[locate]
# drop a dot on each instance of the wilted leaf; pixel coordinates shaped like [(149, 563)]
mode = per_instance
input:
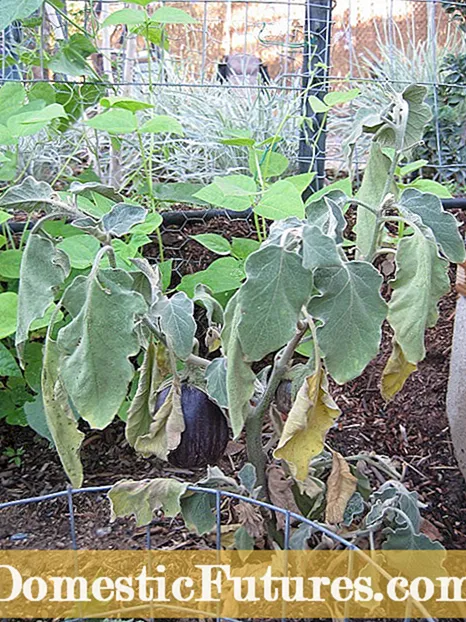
[(142, 499), (311, 416), (443, 225), (35, 415), (271, 299), (326, 213), (216, 379), (197, 511), (354, 507), (30, 195), (122, 217), (177, 323), (421, 280), (59, 416), (96, 345), (341, 485), (43, 269), (240, 377), (352, 311), (250, 517), (152, 373), (396, 372), (281, 493), (165, 430), (213, 308)]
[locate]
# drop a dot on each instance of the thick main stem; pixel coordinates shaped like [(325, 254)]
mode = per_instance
[(255, 449)]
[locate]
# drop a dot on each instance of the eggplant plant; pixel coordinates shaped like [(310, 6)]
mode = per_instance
[(310, 286)]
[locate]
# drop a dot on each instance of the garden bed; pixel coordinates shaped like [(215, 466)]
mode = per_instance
[(412, 430)]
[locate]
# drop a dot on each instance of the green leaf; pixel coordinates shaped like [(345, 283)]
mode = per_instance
[(114, 121), (133, 105), (151, 223), (443, 225), (214, 242), (326, 213), (11, 10), (238, 138), (234, 192), (30, 195), (10, 263), (142, 499), (214, 309), (43, 269), (80, 249), (142, 409), (122, 217), (431, 186), (342, 184), (96, 345), (223, 275), (59, 416), (281, 200), (405, 539), (334, 98), (32, 357), (160, 124), (312, 415), (419, 114), (216, 379), (165, 431), (181, 192), (8, 313), (97, 189), (170, 15), (243, 541), (197, 509), (176, 318), (71, 56), (247, 475), (421, 280), (241, 248), (8, 365), (129, 17), (317, 105), (319, 250), (240, 377), (12, 98), (301, 182), (36, 419), (44, 116), (352, 311), (370, 192), (271, 163), (412, 167), (271, 299)]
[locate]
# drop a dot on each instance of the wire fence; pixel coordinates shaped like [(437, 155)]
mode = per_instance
[(248, 64), (289, 518)]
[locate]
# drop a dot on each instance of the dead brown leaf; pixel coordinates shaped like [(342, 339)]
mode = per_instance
[(281, 493), (251, 519), (341, 484)]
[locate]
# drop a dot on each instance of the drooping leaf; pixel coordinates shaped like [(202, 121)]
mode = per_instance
[(96, 187), (176, 316), (281, 200), (71, 56), (271, 299), (122, 217), (165, 430), (240, 377), (35, 415), (160, 124), (354, 507), (352, 311), (96, 345), (370, 192), (443, 225), (214, 309), (29, 196), (59, 416), (141, 412), (216, 379), (396, 372), (8, 365), (404, 538), (214, 242), (341, 485), (311, 416), (44, 268), (421, 280), (142, 499), (327, 214), (197, 509)]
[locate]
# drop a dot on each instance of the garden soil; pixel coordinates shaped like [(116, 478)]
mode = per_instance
[(412, 431)]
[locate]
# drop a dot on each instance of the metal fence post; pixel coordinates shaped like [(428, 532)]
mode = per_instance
[(316, 61)]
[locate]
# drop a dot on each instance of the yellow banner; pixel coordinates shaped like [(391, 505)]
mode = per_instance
[(232, 584)]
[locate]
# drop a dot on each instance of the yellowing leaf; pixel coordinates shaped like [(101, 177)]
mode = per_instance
[(165, 430), (396, 372), (341, 485), (142, 499), (311, 416)]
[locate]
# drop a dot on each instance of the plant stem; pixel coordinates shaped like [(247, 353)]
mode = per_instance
[(254, 422)]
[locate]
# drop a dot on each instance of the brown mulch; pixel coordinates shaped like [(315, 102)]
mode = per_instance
[(412, 430)]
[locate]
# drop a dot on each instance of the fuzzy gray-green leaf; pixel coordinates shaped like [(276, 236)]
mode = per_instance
[(177, 323)]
